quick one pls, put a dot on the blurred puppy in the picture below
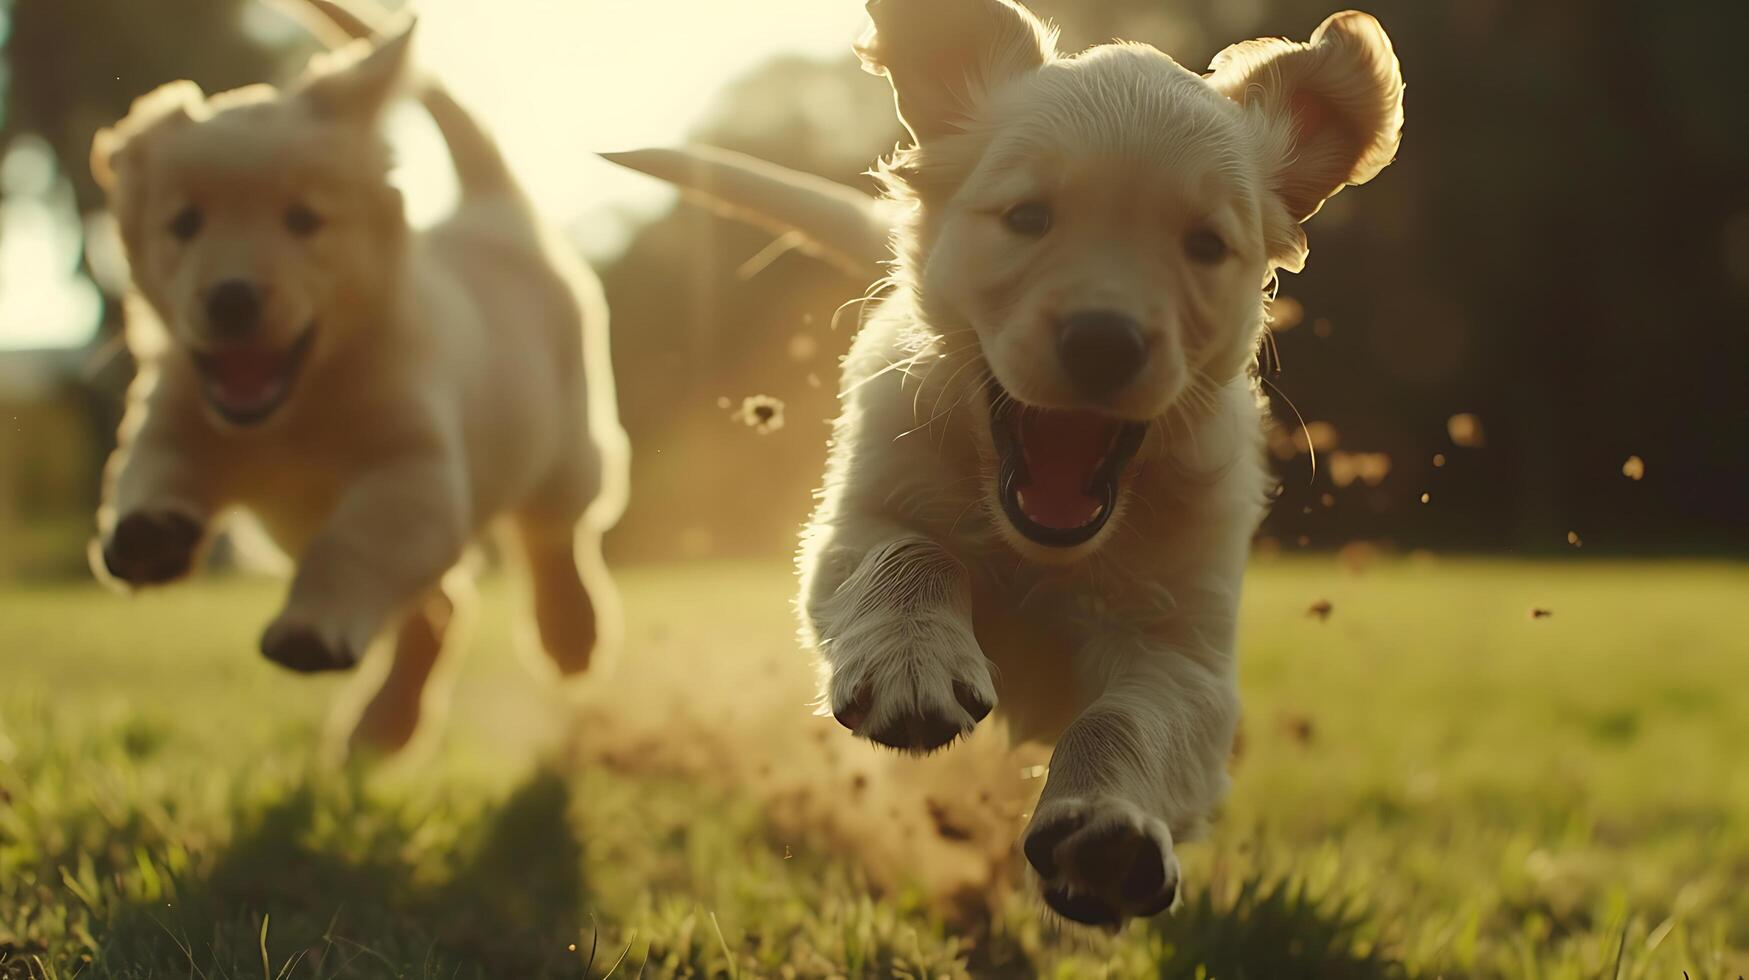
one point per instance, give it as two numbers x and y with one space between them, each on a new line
375 396
1048 470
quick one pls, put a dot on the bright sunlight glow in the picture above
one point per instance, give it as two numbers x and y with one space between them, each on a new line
555 81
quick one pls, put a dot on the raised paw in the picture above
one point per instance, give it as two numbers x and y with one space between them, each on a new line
1100 862
151 547
912 701
305 649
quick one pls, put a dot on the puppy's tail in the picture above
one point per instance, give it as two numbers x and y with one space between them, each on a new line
479 166
839 225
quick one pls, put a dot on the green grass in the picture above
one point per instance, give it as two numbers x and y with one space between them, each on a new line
1432 784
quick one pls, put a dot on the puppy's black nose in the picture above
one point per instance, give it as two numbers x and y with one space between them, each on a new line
1101 350
233 309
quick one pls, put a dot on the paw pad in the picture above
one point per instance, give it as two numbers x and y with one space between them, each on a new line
1101 865
302 649
151 548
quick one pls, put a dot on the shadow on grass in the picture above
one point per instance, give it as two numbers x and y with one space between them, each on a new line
323 870
1274 931
1266 931
323 881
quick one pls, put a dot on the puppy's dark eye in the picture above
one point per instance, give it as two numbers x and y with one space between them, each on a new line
302 220
187 223
1031 218
1204 246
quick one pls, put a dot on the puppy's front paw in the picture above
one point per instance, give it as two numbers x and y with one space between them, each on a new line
1101 861
306 649
913 692
151 547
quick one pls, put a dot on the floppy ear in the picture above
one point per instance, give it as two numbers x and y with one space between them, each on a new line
167 106
944 56
356 81
1335 104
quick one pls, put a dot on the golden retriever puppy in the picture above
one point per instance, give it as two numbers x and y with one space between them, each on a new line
376 397
1049 467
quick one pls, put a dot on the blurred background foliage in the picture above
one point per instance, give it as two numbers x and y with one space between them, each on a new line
1559 258
70 68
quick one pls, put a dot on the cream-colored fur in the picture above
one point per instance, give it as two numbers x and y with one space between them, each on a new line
453 377
1173 199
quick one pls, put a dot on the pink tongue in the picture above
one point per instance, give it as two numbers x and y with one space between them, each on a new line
245 376
1063 451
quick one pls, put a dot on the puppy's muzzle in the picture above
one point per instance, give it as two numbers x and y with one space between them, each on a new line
234 308
1102 351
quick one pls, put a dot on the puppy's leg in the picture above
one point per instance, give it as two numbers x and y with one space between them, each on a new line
397 529
392 714
576 608
570 589
1141 768
891 616
157 502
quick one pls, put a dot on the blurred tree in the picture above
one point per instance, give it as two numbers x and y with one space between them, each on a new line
1561 248
745 322
74 67
70 68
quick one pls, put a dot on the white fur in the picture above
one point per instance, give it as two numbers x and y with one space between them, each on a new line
458 376
1121 649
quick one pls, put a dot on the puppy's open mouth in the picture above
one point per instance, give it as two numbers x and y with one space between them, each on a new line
1059 469
246 384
